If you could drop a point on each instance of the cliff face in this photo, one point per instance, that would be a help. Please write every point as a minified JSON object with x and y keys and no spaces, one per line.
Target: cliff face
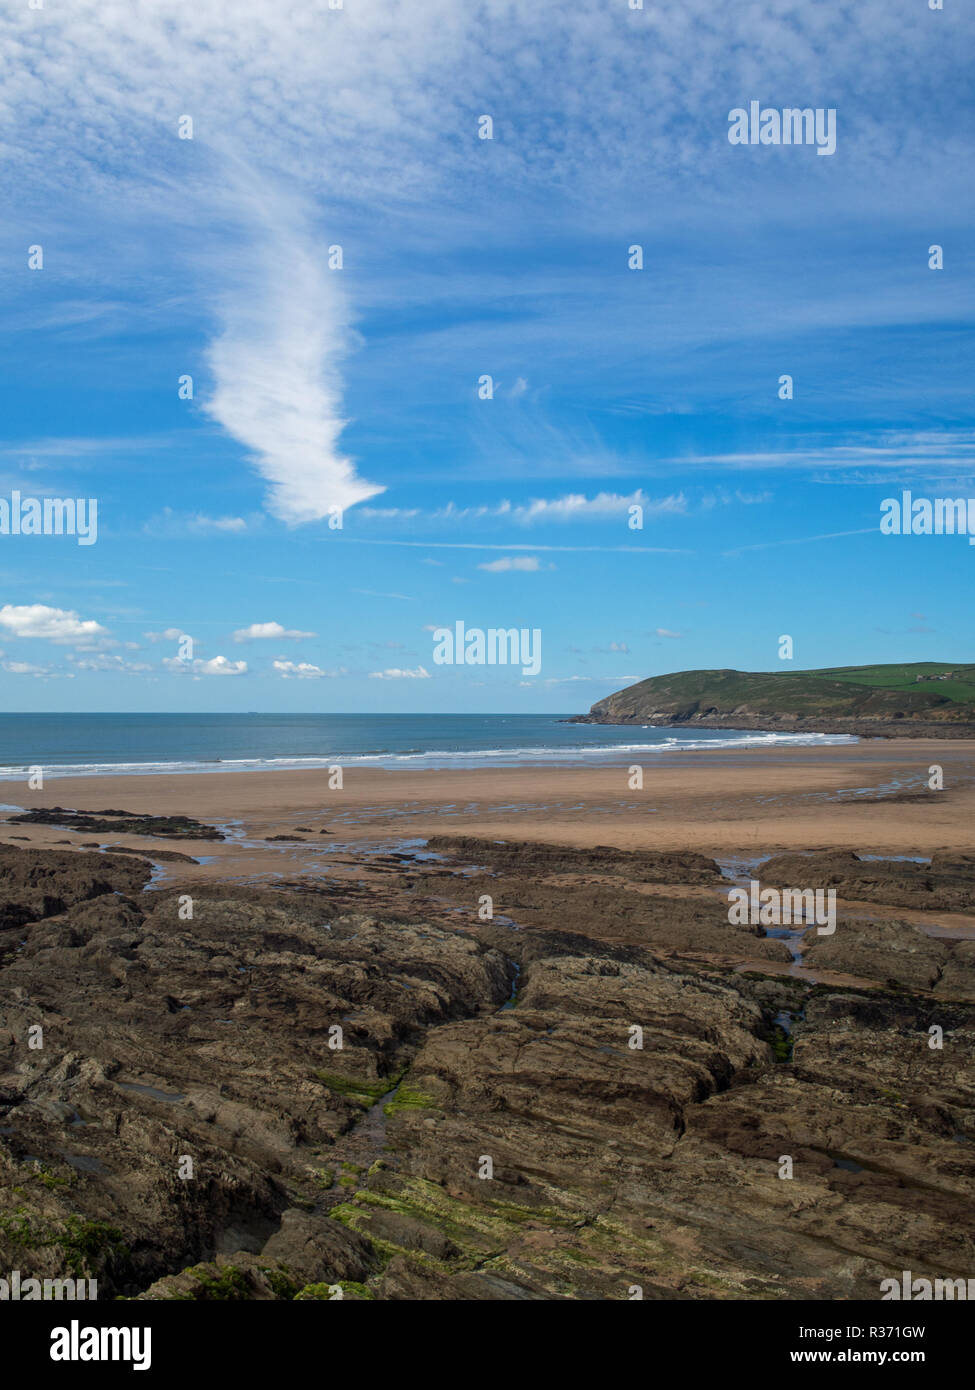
{"x":812,"y":701}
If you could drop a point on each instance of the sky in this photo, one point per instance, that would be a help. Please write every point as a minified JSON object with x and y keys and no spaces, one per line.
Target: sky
{"x":193,"y":174}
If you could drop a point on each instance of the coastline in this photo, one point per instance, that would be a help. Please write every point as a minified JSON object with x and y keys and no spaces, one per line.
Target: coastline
{"x":716,"y":801}
{"x":856,"y":728}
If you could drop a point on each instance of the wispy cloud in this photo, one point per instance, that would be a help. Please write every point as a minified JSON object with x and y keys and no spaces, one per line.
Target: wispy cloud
{"x":394,"y":673}
{"x":375,"y":593}
{"x":103,"y":661}
{"x":802,"y":540}
{"x":570,"y":507}
{"x":27,"y":668}
{"x":485,"y":545}
{"x":587,"y":680}
{"x":217,"y":523}
{"x":886,"y":453}
{"x":527,"y":564}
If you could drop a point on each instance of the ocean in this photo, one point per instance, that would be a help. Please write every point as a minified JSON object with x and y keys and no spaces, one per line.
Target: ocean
{"x":115,"y":744}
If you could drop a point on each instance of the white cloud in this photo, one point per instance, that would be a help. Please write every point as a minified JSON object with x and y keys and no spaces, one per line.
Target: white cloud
{"x":217,"y":523}
{"x":527,"y":563}
{"x":258,"y":632}
{"x":577,"y":507}
{"x":98,"y":644}
{"x":394,"y":673}
{"x":601,"y":680}
{"x":216,"y":666}
{"x":276,"y":365}
{"x":385,"y":79}
{"x":171,"y":524}
{"x":105,"y":662}
{"x":304,"y":671}
{"x":319,"y":99}
{"x":665,"y":632}
{"x":25,"y":668}
{"x":53,"y":624}
{"x":573,"y":506}
{"x":171,"y":634}
{"x":367,"y":108}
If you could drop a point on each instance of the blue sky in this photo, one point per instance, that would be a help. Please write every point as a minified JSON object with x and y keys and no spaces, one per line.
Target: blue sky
{"x":463,"y":257}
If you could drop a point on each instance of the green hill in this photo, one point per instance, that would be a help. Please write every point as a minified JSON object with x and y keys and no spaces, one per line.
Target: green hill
{"x":957,"y":683}
{"x":910,"y":698}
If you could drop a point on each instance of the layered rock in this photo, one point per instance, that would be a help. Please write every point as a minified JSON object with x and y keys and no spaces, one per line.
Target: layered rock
{"x":585,"y":1099}
{"x":40,"y":883}
{"x":114,"y":822}
{"x":947,"y":883}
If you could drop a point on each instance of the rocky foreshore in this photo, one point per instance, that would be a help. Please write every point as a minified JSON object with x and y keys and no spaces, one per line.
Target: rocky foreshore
{"x":112,"y":822}
{"x":502,"y":1072}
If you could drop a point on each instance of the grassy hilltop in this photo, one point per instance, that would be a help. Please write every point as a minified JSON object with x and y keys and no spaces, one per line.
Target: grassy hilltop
{"x":909,"y":698}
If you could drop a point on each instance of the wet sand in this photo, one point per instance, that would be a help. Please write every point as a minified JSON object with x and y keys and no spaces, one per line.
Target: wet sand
{"x":873,"y":796}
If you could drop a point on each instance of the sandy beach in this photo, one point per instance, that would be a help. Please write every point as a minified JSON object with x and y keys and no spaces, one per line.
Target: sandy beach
{"x":873,"y":796}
